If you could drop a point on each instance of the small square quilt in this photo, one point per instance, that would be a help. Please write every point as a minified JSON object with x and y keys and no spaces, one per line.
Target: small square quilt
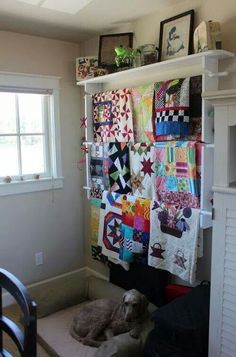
{"x":172,"y":107}
{"x":176,"y":173}
{"x":99,"y":166}
{"x":112,"y":116}
{"x":142,"y":170}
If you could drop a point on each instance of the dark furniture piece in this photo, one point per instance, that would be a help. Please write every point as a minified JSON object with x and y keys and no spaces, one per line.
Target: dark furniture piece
{"x":25,"y":339}
{"x":181,"y":327}
{"x":148,"y":280}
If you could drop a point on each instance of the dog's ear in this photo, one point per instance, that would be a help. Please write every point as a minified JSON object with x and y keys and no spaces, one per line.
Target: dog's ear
{"x":144,"y":302}
{"x":124,"y":297}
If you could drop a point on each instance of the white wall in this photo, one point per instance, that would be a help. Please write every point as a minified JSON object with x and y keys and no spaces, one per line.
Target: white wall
{"x":49,"y":221}
{"x":146,"y":30}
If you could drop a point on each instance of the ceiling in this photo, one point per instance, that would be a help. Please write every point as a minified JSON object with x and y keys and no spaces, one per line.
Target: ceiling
{"x":72,"y":20}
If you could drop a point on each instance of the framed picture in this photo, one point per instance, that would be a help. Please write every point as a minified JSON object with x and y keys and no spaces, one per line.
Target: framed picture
{"x":176,"y":36}
{"x":107,"y":45}
{"x":86,"y":67}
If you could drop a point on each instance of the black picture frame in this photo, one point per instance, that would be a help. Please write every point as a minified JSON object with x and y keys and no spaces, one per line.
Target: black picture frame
{"x":176,"y":36}
{"x":107,"y":44}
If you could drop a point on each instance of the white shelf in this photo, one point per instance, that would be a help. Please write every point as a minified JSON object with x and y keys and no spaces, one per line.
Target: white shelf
{"x":196,"y":60}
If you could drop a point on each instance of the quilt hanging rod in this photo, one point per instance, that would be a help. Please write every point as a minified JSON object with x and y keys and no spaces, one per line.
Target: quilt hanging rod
{"x":216,"y":74}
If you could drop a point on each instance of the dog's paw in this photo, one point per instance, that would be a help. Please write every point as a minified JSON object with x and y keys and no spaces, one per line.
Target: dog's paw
{"x":134,"y":333}
{"x":86,"y":341}
{"x":81,"y":339}
{"x":89,"y":342}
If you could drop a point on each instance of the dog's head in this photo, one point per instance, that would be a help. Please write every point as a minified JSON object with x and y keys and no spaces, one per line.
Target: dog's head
{"x":134,"y":304}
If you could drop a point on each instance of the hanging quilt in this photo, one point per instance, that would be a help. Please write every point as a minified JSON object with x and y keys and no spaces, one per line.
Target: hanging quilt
{"x":141,"y":230}
{"x":95,"y":205}
{"x":99,"y":166}
{"x":112,"y":116}
{"x":176,"y":174}
{"x":199,"y":147}
{"x":128,"y":212}
{"x":142,"y":170}
{"x":172,"y":107}
{"x":135,"y":229}
{"x":174,"y":240}
{"x":142,"y":103}
{"x":109,"y":233}
{"x":119,"y":168}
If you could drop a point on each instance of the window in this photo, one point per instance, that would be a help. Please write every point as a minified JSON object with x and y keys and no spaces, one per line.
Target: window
{"x":29,"y":134}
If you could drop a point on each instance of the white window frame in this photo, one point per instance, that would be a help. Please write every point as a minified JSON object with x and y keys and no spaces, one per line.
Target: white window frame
{"x":31,"y":83}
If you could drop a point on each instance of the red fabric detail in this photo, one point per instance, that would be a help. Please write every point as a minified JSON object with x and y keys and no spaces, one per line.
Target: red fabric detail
{"x":172,"y":291}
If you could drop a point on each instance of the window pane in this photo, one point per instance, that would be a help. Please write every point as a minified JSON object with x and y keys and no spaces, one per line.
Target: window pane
{"x":33,"y":154}
{"x":31,"y":113}
{"x":7,"y":113}
{"x":8,"y":157}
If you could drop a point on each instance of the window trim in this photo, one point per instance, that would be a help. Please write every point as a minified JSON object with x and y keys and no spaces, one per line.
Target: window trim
{"x":38,"y":84}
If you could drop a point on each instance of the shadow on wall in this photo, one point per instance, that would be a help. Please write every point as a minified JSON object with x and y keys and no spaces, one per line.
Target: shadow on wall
{"x":228,"y":43}
{"x":204,"y":263}
{"x":228,"y":28}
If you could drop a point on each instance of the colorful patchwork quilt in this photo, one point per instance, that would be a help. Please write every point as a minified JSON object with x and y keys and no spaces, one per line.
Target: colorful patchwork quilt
{"x":176,"y":173}
{"x":172,"y":107}
{"x":174,"y":240}
{"x":142,"y":103}
{"x":128,"y":212}
{"x":119,"y":168}
{"x":135,"y":229}
{"x":99,"y":166}
{"x":112,"y":116}
{"x":142,"y":170}
{"x":141,"y":230}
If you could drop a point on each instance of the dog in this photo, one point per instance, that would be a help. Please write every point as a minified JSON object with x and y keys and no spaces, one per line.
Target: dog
{"x":102,"y":319}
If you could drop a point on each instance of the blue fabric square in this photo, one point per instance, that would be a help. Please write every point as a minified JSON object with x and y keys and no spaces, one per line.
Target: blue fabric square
{"x":171,"y":183}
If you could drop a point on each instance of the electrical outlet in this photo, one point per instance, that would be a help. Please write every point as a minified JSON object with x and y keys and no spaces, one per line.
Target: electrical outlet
{"x":38,"y":258}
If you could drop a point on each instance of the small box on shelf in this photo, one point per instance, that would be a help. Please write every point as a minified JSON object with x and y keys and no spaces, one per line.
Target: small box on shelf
{"x":86,"y":67}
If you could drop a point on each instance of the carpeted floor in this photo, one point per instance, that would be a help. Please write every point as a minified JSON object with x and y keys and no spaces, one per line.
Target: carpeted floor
{"x":13,"y":313}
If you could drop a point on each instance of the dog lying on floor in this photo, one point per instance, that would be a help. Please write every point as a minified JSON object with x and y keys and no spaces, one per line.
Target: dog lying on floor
{"x":102,"y":319}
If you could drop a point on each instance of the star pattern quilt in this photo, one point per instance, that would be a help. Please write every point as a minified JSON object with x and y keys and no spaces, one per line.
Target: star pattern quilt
{"x":109,"y":233}
{"x":119,"y":168}
{"x":142,"y":170}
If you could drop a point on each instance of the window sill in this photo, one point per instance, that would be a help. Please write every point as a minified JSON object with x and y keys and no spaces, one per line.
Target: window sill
{"x":27,"y":186}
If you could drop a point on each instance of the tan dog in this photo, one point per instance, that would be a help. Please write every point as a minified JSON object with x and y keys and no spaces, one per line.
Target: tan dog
{"x":101,"y":319}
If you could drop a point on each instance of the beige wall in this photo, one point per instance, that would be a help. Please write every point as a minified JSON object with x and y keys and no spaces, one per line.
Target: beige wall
{"x":146,"y":30}
{"x":47,"y":221}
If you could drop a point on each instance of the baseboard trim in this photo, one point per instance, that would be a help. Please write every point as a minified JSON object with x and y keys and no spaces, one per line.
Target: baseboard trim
{"x":7,"y":299}
{"x":90,"y":271}
{"x":76,"y":271}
